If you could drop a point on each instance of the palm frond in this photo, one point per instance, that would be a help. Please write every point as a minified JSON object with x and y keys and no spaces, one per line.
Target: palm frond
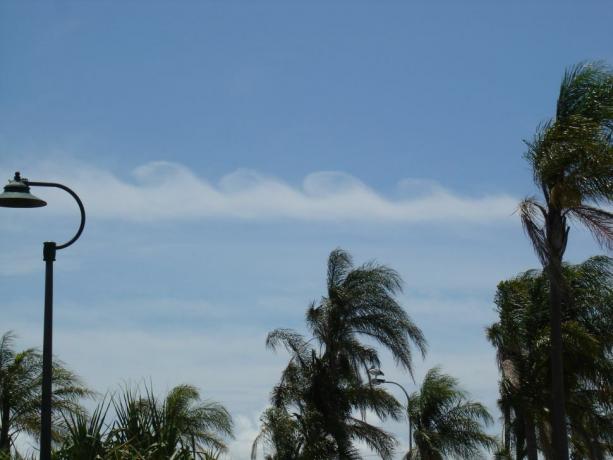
{"x":586,"y":90}
{"x":291,"y":340}
{"x":532,"y":216}
{"x":376,"y":399}
{"x":375,"y":438}
{"x":339,"y":264}
{"x":598,"y":221}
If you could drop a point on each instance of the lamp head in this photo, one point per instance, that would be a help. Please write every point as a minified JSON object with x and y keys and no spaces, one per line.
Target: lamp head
{"x":375,"y":372}
{"x":17,"y":195}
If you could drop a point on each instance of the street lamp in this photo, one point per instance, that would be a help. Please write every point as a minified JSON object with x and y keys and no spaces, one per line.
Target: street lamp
{"x":17,"y":195}
{"x":378,"y":379}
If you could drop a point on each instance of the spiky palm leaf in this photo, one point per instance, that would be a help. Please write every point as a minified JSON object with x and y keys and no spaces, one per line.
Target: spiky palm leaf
{"x":179,"y":426}
{"x":85,"y":436}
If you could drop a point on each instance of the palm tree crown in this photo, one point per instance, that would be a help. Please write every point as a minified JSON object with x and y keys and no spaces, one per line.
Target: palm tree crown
{"x":181,"y":426}
{"x":447,"y":424}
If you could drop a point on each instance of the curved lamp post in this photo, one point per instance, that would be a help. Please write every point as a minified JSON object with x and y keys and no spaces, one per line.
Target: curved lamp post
{"x":17,"y":195}
{"x":378,"y":379}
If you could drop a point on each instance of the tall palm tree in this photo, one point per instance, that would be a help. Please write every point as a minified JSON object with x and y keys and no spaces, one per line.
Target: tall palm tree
{"x":20,"y":392}
{"x":521,"y":338}
{"x":572,"y":161}
{"x":326,"y":379}
{"x":446,"y":422}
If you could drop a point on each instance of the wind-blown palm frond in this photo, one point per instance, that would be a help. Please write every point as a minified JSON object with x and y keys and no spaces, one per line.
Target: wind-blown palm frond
{"x":375,"y":438}
{"x":587,"y":91}
{"x":598,"y":221}
{"x":532,"y":216}
{"x":375,"y":399}
{"x":339,"y":264}
{"x":293,"y":342}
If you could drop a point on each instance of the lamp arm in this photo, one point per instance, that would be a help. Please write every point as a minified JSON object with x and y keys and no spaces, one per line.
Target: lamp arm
{"x":77,"y":199}
{"x":403,"y":390}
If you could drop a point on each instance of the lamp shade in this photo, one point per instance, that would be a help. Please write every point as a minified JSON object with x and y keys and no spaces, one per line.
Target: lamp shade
{"x":375,"y":372}
{"x":17,"y":195}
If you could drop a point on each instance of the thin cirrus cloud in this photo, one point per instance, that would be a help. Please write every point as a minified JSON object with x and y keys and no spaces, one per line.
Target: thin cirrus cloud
{"x":163,"y":190}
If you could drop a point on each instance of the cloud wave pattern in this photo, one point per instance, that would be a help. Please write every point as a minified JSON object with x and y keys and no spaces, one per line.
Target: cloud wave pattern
{"x":164,"y":190}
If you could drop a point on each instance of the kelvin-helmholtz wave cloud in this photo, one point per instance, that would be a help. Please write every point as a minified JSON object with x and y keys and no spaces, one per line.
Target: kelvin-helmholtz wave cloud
{"x":163,"y":190}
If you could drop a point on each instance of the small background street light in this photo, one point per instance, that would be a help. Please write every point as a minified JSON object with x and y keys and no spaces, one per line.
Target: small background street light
{"x":17,"y":195}
{"x":377,"y":379}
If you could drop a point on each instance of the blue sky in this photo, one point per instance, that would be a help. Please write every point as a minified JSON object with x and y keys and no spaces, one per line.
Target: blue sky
{"x":222,"y":149}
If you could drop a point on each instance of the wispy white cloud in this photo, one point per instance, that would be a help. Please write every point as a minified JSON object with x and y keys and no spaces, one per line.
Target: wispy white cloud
{"x":246,"y":430}
{"x":163,"y":190}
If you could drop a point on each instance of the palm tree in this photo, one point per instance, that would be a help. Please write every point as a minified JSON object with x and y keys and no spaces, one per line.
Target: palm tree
{"x":447,"y":423}
{"x":181,"y":426}
{"x":572,"y":161}
{"x":280,"y":434}
{"x":20,"y":392}
{"x":326,"y":380}
{"x":521,"y":338}
{"x":85,"y":436}
{"x":522,"y":359}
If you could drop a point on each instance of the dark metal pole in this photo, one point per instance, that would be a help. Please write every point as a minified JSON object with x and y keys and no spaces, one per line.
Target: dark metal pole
{"x":408,"y":414}
{"x":410,"y":431}
{"x":49,"y":250}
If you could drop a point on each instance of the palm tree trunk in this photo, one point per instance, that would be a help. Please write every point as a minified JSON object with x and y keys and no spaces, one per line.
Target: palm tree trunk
{"x":5,"y":442}
{"x":557,"y":234}
{"x":531,"y":447}
{"x":343,"y":443}
{"x":507,"y":428}
{"x":520,"y":436}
